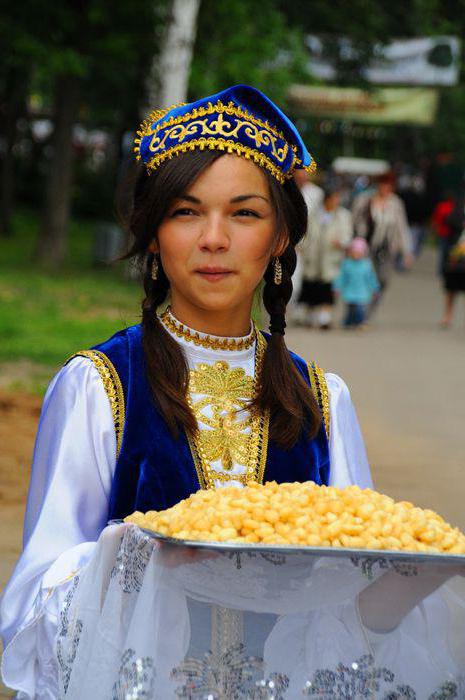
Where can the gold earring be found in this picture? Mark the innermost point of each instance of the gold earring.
(154, 270)
(278, 271)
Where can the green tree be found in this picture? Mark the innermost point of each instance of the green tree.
(97, 67)
(242, 41)
(87, 59)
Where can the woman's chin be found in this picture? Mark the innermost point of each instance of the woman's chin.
(217, 302)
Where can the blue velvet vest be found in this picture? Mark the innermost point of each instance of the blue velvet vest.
(154, 471)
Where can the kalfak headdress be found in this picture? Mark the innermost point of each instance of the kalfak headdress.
(240, 120)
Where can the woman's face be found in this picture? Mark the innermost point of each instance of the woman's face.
(217, 239)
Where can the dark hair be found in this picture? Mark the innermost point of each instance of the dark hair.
(282, 390)
(330, 188)
(387, 178)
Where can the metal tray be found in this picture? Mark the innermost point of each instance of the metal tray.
(346, 552)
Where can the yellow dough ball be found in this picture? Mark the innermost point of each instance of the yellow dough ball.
(304, 514)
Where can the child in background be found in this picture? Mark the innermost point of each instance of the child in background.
(356, 283)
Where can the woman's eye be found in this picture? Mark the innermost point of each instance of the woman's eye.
(183, 211)
(246, 212)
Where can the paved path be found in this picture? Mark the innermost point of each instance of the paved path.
(407, 379)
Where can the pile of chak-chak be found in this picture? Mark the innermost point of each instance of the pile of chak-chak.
(304, 514)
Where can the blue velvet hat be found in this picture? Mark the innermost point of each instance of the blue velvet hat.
(239, 120)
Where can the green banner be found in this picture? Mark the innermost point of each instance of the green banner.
(379, 106)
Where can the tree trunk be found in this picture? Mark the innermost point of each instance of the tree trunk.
(169, 76)
(7, 175)
(16, 85)
(52, 244)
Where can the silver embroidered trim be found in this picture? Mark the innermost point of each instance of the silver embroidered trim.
(227, 629)
(69, 634)
(132, 558)
(274, 558)
(136, 678)
(229, 675)
(368, 564)
(363, 680)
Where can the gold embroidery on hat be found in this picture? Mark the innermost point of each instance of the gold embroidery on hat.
(265, 131)
(220, 127)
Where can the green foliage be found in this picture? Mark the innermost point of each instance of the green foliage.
(107, 45)
(242, 41)
(447, 134)
(45, 318)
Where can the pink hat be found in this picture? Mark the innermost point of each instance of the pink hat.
(358, 245)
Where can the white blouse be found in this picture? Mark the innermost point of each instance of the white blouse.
(73, 465)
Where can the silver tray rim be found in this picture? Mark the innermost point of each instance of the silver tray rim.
(343, 552)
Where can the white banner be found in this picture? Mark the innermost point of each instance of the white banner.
(423, 61)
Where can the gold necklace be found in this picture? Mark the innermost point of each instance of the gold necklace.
(207, 341)
(255, 449)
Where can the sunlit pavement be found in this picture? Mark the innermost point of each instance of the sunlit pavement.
(407, 379)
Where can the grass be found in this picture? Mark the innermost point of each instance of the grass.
(45, 317)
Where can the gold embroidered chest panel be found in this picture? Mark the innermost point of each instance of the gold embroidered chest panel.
(231, 442)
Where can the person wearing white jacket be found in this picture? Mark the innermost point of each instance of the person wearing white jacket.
(329, 233)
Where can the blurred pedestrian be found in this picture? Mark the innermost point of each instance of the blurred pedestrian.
(441, 213)
(329, 233)
(412, 191)
(453, 271)
(313, 195)
(356, 283)
(381, 219)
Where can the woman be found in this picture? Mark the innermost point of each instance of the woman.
(328, 235)
(194, 397)
(381, 219)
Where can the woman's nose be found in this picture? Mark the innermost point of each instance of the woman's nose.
(215, 234)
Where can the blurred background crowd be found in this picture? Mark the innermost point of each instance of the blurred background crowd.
(377, 88)
(378, 216)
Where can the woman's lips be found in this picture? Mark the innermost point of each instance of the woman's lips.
(214, 276)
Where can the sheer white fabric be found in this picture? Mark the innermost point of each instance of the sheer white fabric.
(144, 620)
(73, 465)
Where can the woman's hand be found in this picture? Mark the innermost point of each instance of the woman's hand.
(174, 555)
(384, 604)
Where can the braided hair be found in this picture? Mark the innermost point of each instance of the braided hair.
(293, 407)
(281, 389)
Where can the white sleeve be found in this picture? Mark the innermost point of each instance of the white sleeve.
(348, 459)
(67, 507)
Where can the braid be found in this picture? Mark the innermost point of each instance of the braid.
(282, 389)
(276, 296)
(167, 368)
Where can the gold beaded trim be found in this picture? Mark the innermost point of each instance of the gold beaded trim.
(145, 126)
(113, 387)
(220, 145)
(259, 431)
(320, 387)
(181, 331)
(312, 168)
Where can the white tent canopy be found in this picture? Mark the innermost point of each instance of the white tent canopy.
(360, 166)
